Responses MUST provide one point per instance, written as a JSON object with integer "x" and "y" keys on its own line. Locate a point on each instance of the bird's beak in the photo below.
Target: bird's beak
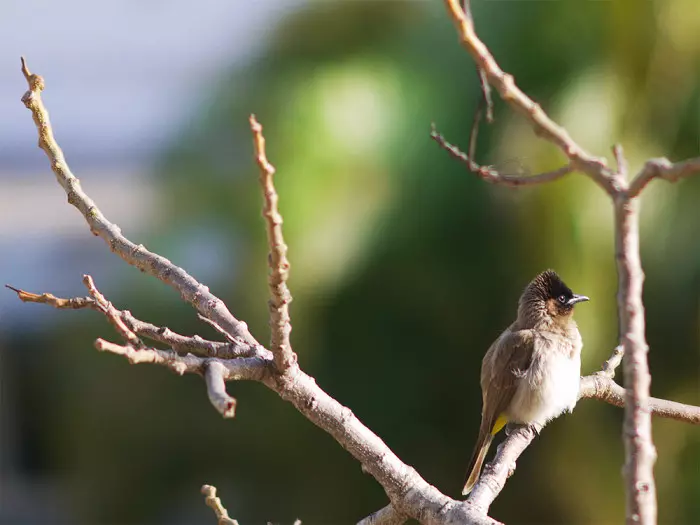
{"x": 577, "y": 299}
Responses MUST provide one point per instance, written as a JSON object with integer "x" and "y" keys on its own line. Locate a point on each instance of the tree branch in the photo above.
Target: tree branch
{"x": 179, "y": 343}
{"x": 663, "y": 168}
{"x": 491, "y": 175}
{"x": 640, "y": 453}
{"x": 495, "y": 474}
{"x": 599, "y": 386}
{"x": 136, "y": 255}
{"x": 543, "y": 126}
{"x": 212, "y": 501}
{"x": 609, "y": 367}
{"x": 214, "y": 373}
{"x": 280, "y": 297}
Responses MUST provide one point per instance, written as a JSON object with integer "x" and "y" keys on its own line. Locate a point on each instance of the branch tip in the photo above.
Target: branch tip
{"x": 25, "y": 69}
{"x": 214, "y": 502}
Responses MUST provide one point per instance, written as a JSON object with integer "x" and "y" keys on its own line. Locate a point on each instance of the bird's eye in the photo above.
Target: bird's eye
{"x": 562, "y": 299}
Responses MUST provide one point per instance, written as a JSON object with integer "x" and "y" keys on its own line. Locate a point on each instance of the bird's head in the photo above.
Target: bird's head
{"x": 547, "y": 299}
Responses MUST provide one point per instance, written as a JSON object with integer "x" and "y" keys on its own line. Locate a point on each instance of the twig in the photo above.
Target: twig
{"x": 622, "y": 167}
{"x": 214, "y": 373}
{"x": 491, "y": 175}
{"x": 280, "y": 325}
{"x": 112, "y": 314}
{"x": 180, "y": 343}
{"x": 74, "y": 303}
{"x": 212, "y": 501}
{"x": 216, "y": 327}
{"x": 192, "y": 291}
{"x": 598, "y": 386}
{"x": 384, "y": 516}
{"x": 483, "y": 81}
{"x": 608, "y": 368}
{"x": 663, "y": 168}
{"x": 543, "y": 126}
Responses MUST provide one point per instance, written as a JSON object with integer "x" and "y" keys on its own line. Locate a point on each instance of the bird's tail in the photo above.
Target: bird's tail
{"x": 482, "y": 447}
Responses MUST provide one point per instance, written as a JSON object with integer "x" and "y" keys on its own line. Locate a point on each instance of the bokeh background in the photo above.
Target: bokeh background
{"x": 404, "y": 266}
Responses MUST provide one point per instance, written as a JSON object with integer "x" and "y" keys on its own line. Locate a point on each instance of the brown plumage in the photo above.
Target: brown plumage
{"x": 531, "y": 373}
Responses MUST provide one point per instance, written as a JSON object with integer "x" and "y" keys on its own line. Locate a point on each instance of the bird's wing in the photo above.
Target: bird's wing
{"x": 505, "y": 362}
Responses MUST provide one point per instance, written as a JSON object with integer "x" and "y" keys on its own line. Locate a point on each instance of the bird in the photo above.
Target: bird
{"x": 531, "y": 373}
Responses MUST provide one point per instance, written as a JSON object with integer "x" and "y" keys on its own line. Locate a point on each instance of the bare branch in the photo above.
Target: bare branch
{"x": 180, "y": 343}
{"x": 212, "y": 501}
{"x": 112, "y": 314}
{"x": 598, "y": 386}
{"x": 663, "y": 168}
{"x": 543, "y": 126}
{"x": 384, "y": 516}
{"x": 280, "y": 325}
{"x": 251, "y": 368}
{"x": 496, "y": 473}
{"x": 192, "y": 291}
{"x": 608, "y": 368}
{"x": 214, "y": 373}
{"x": 640, "y": 453}
{"x": 74, "y": 303}
{"x": 483, "y": 81}
{"x": 216, "y": 327}
{"x": 492, "y": 176}
{"x": 621, "y": 161}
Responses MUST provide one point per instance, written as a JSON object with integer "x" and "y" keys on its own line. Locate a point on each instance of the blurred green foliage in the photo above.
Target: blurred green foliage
{"x": 404, "y": 267}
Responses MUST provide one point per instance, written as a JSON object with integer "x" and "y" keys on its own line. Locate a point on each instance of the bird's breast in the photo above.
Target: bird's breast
{"x": 550, "y": 385}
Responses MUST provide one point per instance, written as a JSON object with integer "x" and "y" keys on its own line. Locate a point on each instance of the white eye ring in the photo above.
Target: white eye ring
{"x": 562, "y": 299}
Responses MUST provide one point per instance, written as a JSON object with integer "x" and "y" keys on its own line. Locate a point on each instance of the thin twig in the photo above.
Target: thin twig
{"x": 191, "y": 291}
{"x": 280, "y": 325}
{"x": 543, "y": 126}
{"x": 663, "y": 168}
{"x": 180, "y": 343}
{"x": 214, "y": 373}
{"x": 214, "y": 502}
{"x": 74, "y": 303}
{"x": 112, "y": 314}
{"x": 483, "y": 81}
{"x": 491, "y": 175}
{"x": 603, "y": 388}
{"x": 216, "y": 327}
{"x": 609, "y": 367}
{"x": 622, "y": 167}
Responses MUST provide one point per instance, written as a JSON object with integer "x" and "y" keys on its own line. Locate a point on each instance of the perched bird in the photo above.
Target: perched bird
{"x": 531, "y": 373}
